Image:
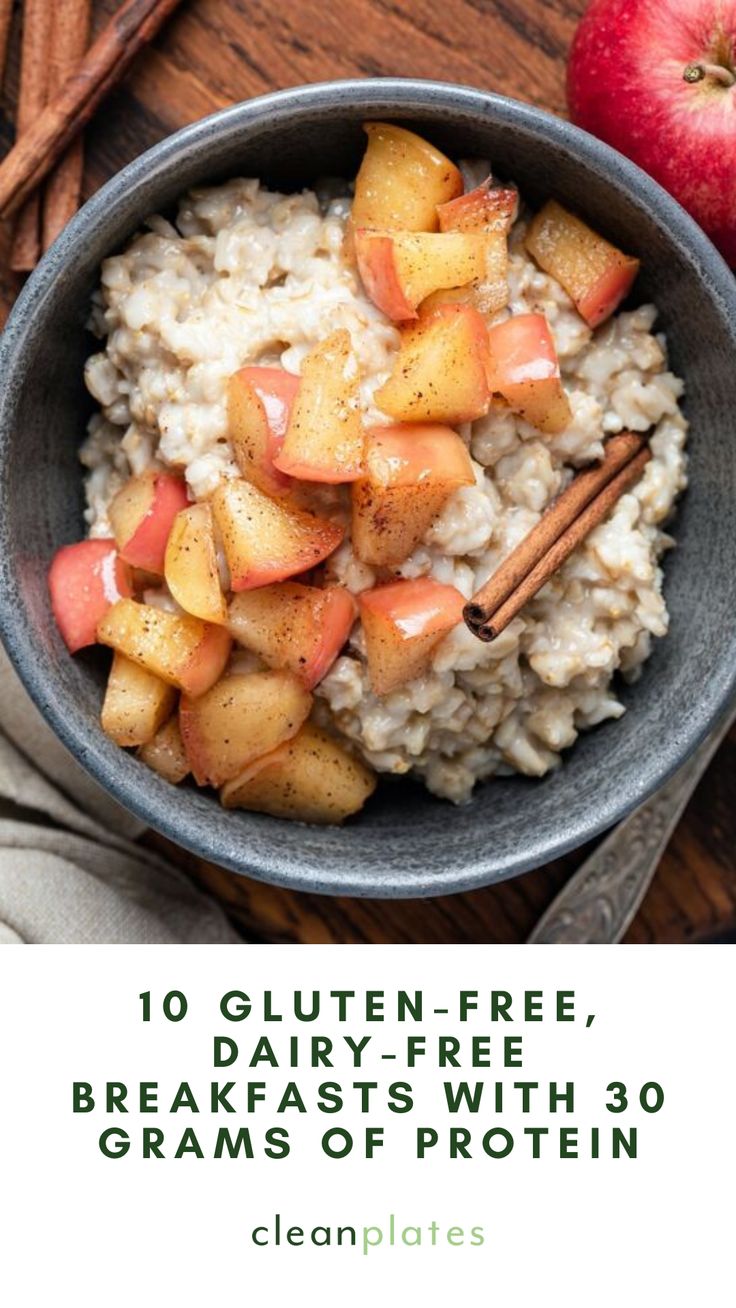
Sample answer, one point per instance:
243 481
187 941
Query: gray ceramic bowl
406 843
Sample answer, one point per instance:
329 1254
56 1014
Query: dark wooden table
215 52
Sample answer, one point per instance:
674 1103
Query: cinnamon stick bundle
582 506
69 40
40 147
34 68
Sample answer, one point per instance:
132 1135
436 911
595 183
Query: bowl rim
390 96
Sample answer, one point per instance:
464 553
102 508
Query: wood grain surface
215 52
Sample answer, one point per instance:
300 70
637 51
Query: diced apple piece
141 515
525 370
190 566
259 402
401 181
400 269
492 292
265 540
238 720
440 373
596 275
165 752
136 703
324 438
411 471
84 581
182 650
402 623
488 295
489 208
312 778
294 626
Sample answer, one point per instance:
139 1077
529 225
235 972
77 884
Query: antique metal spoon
601 899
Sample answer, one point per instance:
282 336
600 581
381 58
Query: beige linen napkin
70 872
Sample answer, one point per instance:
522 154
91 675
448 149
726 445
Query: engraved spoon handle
601 899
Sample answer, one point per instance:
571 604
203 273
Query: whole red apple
657 80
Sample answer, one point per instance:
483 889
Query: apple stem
719 73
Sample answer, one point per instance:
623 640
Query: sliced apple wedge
309 779
267 540
525 370
141 515
440 373
489 294
488 208
402 623
259 402
294 626
165 752
136 703
238 720
400 269
401 181
324 438
190 565
181 650
85 579
492 292
411 471
596 275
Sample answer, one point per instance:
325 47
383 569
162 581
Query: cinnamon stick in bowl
570 518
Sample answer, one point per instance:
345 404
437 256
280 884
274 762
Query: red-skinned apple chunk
294 626
190 565
440 373
525 370
411 471
241 718
595 274
402 624
401 181
141 515
259 402
165 752
324 438
267 540
184 651
85 579
400 269
489 209
309 779
136 703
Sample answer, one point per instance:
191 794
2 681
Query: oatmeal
247 278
